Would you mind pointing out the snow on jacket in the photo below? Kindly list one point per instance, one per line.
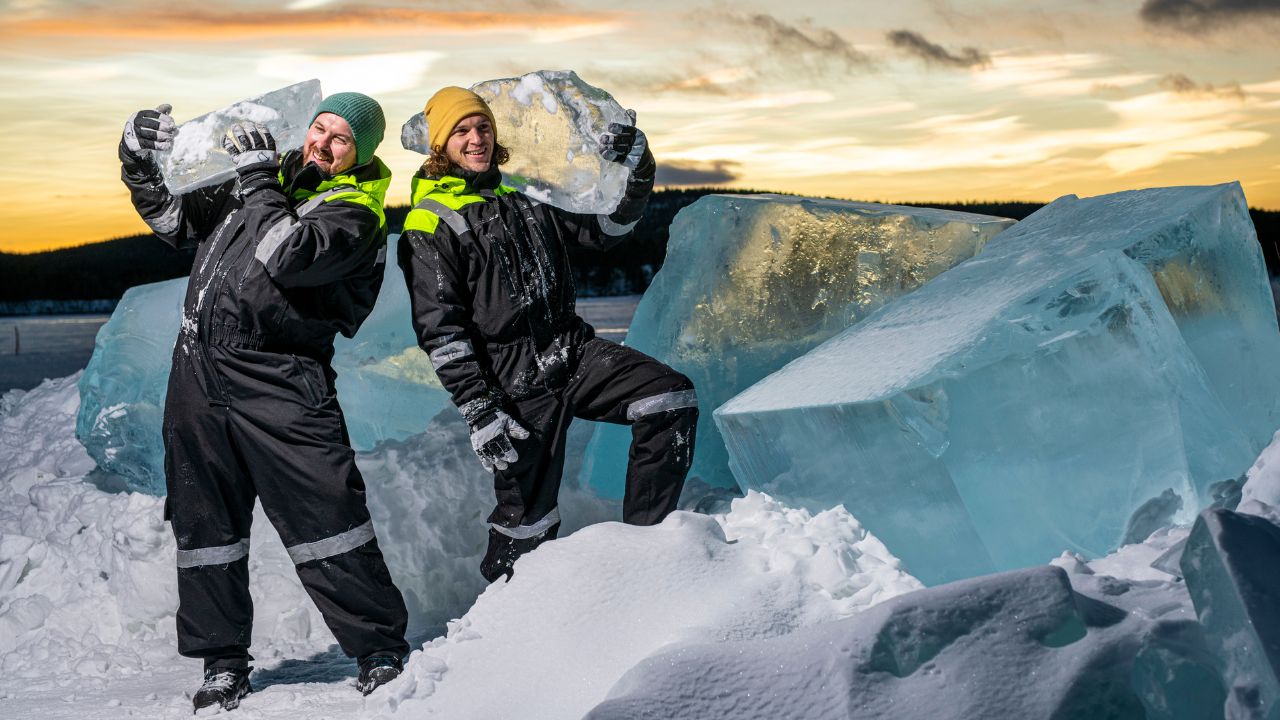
(281, 269)
(491, 287)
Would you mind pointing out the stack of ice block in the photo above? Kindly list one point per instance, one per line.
(550, 120)
(386, 385)
(198, 159)
(1029, 401)
(753, 281)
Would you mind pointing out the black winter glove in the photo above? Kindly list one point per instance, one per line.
(144, 132)
(624, 144)
(253, 149)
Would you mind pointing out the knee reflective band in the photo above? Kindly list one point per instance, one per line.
(330, 546)
(674, 400)
(456, 350)
(221, 555)
(524, 532)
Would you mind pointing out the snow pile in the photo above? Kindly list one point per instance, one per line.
(87, 586)
(583, 609)
(1039, 642)
(1261, 493)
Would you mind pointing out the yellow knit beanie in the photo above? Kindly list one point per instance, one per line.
(447, 108)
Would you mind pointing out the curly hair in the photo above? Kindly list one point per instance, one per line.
(437, 164)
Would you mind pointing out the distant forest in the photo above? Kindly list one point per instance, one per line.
(104, 270)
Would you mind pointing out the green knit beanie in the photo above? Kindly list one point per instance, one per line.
(363, 114)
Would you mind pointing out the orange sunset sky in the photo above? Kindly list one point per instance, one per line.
(915, 101)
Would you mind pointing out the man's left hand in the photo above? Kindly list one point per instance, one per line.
(249, 144)
(624, 143)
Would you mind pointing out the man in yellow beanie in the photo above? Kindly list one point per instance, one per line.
(288, 254)
(493, 305)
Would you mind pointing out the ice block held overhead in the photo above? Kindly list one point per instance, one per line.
(197, 158)
(551, 122)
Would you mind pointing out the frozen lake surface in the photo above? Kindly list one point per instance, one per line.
(35, 347)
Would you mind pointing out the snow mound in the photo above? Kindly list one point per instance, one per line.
(582, 610)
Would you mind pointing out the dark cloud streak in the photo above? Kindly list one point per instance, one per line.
(914, 43)
(718, 172)
(1183, 85)
(1199, 16)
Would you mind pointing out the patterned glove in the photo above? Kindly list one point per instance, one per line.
(492, 441)
(149, 130)
(624, 144)
(249, 144)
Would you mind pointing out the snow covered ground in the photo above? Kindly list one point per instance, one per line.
(87, 592)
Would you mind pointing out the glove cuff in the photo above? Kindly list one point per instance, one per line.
(258, 176)
(139, 165)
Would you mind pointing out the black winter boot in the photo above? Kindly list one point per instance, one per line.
(222, 686)
(378, 670)
(504, 550)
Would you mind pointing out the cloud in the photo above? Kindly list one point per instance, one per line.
(914, 43)
(816, 48)
(1197, 16)
(1183, 85)
(310, 21)
(374, 74)
(716, 172)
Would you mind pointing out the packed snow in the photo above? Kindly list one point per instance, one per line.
(87, 591)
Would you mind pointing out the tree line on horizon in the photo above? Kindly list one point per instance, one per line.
(105, 270)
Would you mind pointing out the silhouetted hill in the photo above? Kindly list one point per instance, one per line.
(105, 270)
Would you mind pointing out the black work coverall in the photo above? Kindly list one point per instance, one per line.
(493, 304)
(283, 263)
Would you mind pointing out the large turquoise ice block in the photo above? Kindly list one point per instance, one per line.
(1232, 569)
(751, 282)
(1030, 400)
(386, 385)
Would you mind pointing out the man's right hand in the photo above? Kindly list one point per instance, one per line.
(150, 130)
(491, 441)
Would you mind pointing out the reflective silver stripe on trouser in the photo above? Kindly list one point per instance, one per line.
(524, 532)
(281, 231)
(220, 555)
(330, 546)
(451, 217)
(456, 350)
(612, 228)
(675, 400)
(167, 221)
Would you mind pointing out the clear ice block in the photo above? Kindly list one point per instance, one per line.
(197, 158)
(753, 281)
(1030, 400)
(550, 120)
(386, 385)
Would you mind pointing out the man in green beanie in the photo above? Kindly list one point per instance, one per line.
(288, 254)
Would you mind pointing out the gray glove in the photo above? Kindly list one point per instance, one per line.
(150, 130)
(249, 144)
(624, 144)
(492, 441)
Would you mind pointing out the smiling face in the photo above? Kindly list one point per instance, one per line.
(329, 144)
(470, 145)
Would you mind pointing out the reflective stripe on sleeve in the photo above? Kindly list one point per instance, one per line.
(333, 545)
(167, 221)
(280, 232)
(524, 532)
(446, 354)
(612, 228)
(220, 555)
(675, 400)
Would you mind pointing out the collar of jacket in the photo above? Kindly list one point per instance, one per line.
(454, 188)
(302, 182)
